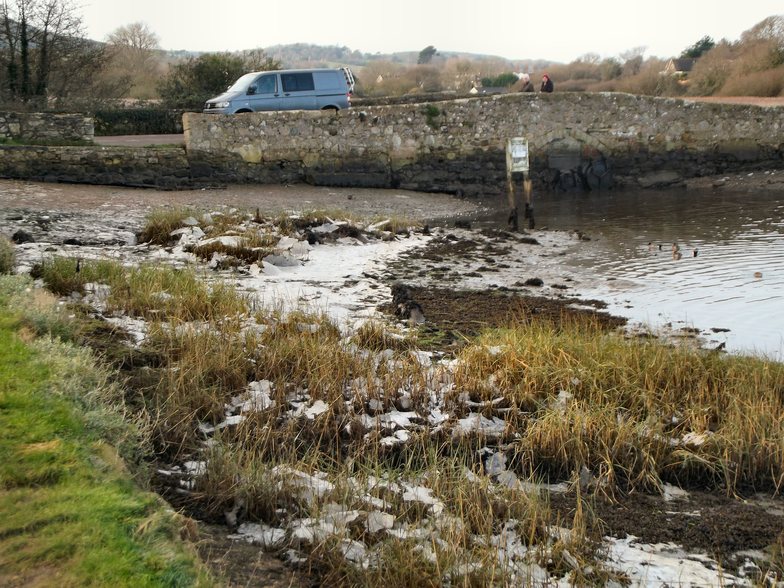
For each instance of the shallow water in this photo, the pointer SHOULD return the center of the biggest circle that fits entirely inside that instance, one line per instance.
(738, 237)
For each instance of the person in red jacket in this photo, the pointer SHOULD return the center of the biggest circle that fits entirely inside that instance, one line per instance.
(547, 84)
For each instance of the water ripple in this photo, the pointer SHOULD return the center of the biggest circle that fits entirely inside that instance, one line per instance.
(736, 281)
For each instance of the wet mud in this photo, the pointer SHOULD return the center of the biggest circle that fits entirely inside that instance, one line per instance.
(718, 525)
(240, 563)
(454, 316)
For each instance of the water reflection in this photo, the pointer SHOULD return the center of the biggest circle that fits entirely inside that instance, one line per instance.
(735, 281)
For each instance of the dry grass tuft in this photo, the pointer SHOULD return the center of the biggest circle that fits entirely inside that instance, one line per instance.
(175, 294)
(160, 223)
(7, 256)
(633, 412)
(65, 275)
(376, 336)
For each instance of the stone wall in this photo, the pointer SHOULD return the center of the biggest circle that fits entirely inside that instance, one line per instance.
(577, 141)
(43, 127)
(125, 166)
(458, 146)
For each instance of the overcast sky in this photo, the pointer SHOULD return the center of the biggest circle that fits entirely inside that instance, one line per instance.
(559, 30)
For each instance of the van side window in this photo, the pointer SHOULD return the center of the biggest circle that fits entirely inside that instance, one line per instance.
(297, 82)
(265, 84)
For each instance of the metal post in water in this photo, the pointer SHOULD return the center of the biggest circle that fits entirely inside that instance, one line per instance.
(510, 194)
(529, 201)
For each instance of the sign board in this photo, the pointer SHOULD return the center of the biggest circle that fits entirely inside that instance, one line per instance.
(517, 155)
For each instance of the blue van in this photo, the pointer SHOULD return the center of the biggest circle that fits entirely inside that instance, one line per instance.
(287, 89)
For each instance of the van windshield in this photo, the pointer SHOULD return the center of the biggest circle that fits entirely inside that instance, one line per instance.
(241, 85)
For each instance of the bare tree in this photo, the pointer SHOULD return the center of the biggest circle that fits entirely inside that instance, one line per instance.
(590, 58)
(136, 36)
(769, 29)
(633, 53)
(133, 46)
(42, 41)
(135, 63)
(632, 60)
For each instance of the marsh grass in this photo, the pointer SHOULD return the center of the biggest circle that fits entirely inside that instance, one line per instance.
(305, 351)
(175, 294)
(7, 256)
(575, 396)
(376, 336)
(65, 275)
(459, 545)
(42, 314)
(776, 562)
(580, 404)
(146, 291)
(206, 367)
(396, 224)
(160, 223)
(243, 251)
(634, 412)
(289, 223)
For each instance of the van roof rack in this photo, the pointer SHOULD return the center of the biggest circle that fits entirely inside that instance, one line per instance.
(349, 78)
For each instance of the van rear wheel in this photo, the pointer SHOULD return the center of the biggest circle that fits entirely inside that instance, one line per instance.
(332, 108)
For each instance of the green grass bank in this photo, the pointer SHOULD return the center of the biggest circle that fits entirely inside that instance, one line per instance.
(71, 513)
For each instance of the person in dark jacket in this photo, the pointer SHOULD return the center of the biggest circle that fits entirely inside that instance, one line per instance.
(527, 85)
(547, 84)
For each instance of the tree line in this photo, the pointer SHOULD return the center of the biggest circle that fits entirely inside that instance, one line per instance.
(43, 51)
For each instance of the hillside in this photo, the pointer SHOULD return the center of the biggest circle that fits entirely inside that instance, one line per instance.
(309, 55)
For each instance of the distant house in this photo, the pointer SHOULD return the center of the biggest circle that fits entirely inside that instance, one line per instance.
(679, 66)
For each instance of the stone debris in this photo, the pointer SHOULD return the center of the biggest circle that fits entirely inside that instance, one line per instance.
(477, 423)
(263, 535)
(424, 496)
(309, 487)
(256, 398)
(495, 464)
(285, 259)
(318, 408)
(379, 521)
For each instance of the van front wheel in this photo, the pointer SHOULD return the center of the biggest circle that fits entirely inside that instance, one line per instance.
(243, 110)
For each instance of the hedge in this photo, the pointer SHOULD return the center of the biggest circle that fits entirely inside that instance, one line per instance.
(138, 121)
